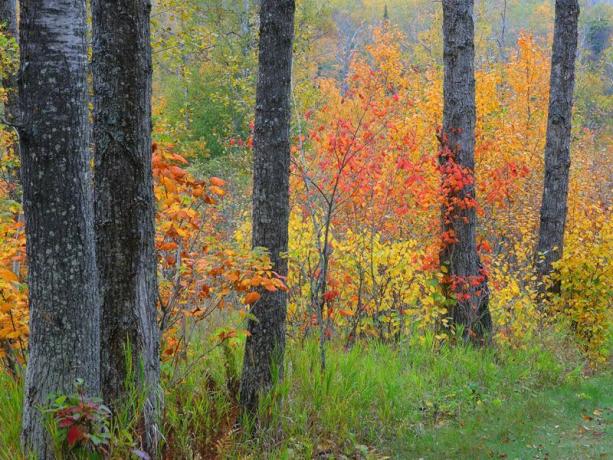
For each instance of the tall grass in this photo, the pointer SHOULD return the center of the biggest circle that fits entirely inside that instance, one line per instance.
(410, 400)
(385, 399)
(11, 403)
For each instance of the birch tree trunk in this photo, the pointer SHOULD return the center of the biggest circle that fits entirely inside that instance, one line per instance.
(557, 148)
(460, 257)
(58, 208)
(125, 205)
(265, 346)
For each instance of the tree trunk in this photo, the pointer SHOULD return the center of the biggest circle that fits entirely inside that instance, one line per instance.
(58, 208)
(466, 282)
(557, 148)
(125, 205)
(265, 346)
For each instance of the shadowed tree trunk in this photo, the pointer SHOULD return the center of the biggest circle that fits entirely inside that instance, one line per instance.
(265, 346)
(58, 208)
(557, 148)
(125, 205)
(466, 282)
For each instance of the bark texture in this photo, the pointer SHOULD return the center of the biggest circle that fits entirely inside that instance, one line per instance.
(458, 145)
(265, 346)
(557, 148)
(58, 208)
(125, 205)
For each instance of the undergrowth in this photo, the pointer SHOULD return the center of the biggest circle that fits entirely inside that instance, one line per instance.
(408, 400)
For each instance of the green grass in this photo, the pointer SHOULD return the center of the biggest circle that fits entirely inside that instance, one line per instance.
(10, 416)
(376, 401)
(452, 403)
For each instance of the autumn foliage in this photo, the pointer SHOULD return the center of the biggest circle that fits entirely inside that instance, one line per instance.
(366, 157)
(365, 232)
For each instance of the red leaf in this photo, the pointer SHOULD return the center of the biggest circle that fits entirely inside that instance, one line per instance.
(65, 422)
(74, 435)
(331, 295)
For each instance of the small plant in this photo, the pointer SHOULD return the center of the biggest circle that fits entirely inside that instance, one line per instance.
(78, 423)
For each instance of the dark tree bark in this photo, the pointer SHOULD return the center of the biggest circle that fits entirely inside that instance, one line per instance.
(125, 204)
(465, 275)
(266, 345)
(58, 208)
(557, 148)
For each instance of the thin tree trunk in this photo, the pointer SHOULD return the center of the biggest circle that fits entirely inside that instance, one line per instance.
(55, 173)
(125, 205)
(557, 148)
(503, 29)
(466, 283)
(265, 346)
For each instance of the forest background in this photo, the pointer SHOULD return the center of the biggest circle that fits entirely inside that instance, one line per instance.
(367, 105)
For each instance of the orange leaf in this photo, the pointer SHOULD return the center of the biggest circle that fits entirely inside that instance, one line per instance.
(251, 298)
(217, 181)
(179, 158)
(168, 246)
(8, 275)
(216, 190)
(169, 184)
(178, 172)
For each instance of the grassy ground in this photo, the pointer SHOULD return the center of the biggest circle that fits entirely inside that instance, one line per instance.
(382, 401)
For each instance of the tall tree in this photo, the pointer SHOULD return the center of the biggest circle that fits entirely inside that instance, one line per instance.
(58, 208)
(557, 148)
(125, 204)
(265, 346)
(466, 281)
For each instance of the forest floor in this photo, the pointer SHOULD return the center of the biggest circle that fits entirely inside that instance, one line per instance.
(466, 404)
(568, 422)
(384, 401)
